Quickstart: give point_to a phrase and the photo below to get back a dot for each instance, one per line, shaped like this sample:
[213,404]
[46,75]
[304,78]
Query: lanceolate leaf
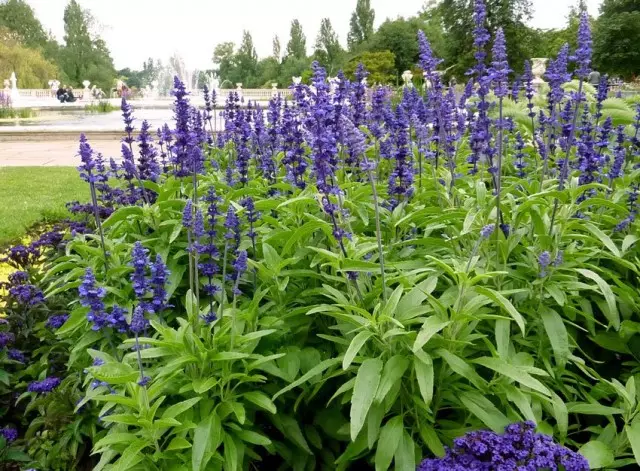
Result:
[364,391]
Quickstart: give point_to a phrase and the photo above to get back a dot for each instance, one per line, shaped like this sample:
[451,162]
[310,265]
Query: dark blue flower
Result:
[519,448]
[138,321]
[6,338]
[158,282]
[10,434]
[45,386]
[16,355]
[139,262]
[91,296]
[55,322]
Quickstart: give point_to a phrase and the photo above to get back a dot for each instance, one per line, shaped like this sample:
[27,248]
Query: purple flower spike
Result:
[45,386]
[499,71]
[487,230]
[583,53]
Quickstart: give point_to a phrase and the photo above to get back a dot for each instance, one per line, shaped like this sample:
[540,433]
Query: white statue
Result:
[15,95]
[239,90]
[86,93]
[274,89]
[407,76]
[538,68]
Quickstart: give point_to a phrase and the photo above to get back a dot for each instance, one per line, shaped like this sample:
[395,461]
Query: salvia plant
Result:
[354,278]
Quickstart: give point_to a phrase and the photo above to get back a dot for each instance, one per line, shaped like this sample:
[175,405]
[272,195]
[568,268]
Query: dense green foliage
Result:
[617,38]
[84,56]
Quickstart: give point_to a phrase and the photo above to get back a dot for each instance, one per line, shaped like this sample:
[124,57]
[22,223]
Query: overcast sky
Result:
[137,29]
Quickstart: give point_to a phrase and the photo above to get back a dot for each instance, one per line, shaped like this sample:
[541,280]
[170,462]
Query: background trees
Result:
[37,57]
[617,38]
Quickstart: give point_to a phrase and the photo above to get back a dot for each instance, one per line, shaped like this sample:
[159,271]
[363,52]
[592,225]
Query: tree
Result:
[85,56]
[268,72]
[18,16]
[247,61]
[297,45]
[380,65]
[361,24]
[31,68]
[400,36]
[328,50]
[276,48]
[292,67]
[511,15]
[616,43]
[224,60]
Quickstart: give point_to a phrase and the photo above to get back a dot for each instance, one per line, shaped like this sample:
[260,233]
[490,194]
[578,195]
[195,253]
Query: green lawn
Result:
[29,195]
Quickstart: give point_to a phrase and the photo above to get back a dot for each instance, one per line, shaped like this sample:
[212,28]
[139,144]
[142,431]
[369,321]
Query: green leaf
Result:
[122,214]
[405,455]
[592,409]
[310,374]
[424,375]
[430,437]
[261,400]
[115,373]
[230,453]
[177,409]
[374,420]
[207,438]
[431,326]
[598,454]
[503,333]
[633,435]
[114,438]
[178,443]
[612,313]
[77,318]
[393,370]
[355,346]
[557,334]
[504,303]
[271,257]
[290,428]
[461,367]
[514,372]
[390,437]
[367,381]
[604,238]
[131,456]
[484,409]
[390,308]
[253,437]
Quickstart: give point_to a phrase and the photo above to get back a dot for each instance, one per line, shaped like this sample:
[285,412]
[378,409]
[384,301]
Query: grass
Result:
[21,113]
[100,107]
[31,195]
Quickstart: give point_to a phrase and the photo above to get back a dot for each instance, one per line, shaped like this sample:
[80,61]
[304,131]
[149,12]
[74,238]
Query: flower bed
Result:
[337,284]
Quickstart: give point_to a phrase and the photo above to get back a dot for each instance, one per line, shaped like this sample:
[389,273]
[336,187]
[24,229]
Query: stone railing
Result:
[44,92]
[254,94]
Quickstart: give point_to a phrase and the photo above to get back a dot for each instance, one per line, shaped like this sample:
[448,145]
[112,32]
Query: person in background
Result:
[70,97]
[594,78]
[61,94]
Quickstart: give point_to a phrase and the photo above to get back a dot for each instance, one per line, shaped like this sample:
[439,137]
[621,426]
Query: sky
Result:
[138,29]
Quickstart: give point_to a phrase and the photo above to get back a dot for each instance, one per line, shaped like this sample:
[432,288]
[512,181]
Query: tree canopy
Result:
[361,24]
[617,42]
[297,45]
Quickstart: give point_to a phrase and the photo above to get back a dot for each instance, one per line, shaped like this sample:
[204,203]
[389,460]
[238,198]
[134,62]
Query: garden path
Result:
[49,153]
